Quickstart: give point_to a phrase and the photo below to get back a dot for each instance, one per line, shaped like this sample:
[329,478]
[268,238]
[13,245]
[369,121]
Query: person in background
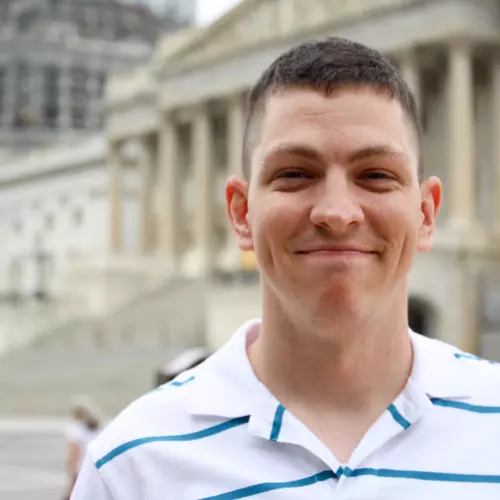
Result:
[86,425]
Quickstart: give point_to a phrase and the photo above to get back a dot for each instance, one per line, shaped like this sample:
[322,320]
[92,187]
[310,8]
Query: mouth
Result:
[336,250]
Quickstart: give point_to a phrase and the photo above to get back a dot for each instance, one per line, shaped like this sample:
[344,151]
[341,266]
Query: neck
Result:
[345,366]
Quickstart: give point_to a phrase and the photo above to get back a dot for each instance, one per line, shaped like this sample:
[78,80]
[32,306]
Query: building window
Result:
[51,115]
[51,75]
[51,82]
[26,20]
[24,116]
[79,98]
[78,117]
[23,76]
[4,12]
[55,7]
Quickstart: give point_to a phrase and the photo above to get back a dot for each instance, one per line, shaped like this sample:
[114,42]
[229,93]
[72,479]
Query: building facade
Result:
[55,56]
[50,212]
[184,114]
[116,251]
[143,205]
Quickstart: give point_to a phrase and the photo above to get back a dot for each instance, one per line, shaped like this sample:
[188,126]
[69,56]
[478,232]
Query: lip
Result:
[335,250]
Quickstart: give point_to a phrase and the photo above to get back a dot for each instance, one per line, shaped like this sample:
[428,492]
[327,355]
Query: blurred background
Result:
[119,123]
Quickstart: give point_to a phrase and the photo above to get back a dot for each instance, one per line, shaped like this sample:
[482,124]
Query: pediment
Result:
[248,23]
[253,22]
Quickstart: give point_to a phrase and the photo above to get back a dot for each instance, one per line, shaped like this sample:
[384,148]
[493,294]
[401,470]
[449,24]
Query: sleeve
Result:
[90,485]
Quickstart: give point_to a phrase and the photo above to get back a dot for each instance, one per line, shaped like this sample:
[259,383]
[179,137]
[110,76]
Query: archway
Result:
[421,316]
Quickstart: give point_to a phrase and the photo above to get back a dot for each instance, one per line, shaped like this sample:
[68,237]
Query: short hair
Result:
[327,66]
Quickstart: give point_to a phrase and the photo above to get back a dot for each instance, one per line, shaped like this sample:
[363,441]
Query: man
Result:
[329,395]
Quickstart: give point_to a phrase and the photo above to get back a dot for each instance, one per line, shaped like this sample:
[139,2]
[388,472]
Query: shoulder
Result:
[483,376]
[160,413]
[480,376]
[141,441]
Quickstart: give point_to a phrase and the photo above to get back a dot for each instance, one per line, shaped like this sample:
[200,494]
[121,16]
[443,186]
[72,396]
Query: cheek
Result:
[405,228]
[398,226]
[275,223]
[401,218]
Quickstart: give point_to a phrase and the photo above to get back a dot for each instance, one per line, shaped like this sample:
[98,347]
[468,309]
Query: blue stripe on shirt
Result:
[258,489]
[462,355]
[277,423]
[398,417]
[193,436]
[180,383]
[460,405]
[175,383]
[423,475]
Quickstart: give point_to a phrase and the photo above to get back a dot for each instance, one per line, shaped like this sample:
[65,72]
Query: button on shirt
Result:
[217,433]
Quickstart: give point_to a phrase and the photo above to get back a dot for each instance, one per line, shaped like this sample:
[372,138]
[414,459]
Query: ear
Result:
[237,211]
[431,195]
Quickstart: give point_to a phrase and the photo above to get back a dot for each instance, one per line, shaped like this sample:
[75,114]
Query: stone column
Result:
[204,188]
[115,194]
[470,334]
[146,199]
[235,133]
[170,217]
[461,136]
[495,157]
[409,69]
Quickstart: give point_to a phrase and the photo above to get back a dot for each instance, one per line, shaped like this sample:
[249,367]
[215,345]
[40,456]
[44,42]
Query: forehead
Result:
[344,122]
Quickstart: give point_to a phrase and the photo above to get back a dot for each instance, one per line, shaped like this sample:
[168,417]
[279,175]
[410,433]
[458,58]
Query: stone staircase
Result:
[111,359]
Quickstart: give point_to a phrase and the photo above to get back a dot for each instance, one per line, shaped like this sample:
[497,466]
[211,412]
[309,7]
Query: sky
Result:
[207,10]
[210,10]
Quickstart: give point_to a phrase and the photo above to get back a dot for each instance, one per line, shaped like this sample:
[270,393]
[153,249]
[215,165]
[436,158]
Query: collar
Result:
[437,371]
[227,387]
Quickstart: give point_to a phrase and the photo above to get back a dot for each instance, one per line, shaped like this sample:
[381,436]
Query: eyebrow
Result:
[310,153]
[374,152]
[303,151]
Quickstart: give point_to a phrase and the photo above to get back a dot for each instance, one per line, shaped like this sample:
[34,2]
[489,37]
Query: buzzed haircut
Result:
[327,66]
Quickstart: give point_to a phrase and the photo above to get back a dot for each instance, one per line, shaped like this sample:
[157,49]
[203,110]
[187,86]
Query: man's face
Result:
[334,209]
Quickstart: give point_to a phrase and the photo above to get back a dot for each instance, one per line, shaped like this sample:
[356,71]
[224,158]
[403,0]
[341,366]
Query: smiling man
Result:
[329,395]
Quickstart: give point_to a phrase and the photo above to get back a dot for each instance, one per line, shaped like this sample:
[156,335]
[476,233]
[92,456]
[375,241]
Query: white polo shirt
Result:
[217,433]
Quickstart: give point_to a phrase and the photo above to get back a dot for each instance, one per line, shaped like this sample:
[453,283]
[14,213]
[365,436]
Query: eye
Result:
[292,179]
[292,174]
[378,175]
[379,180]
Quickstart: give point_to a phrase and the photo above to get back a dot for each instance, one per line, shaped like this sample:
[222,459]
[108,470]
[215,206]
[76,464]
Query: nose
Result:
[336,205]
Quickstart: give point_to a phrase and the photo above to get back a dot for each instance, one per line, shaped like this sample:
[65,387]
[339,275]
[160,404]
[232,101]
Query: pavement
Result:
[32,457]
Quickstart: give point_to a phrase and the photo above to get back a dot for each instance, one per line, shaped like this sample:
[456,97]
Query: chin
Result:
[342,295]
